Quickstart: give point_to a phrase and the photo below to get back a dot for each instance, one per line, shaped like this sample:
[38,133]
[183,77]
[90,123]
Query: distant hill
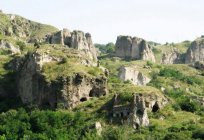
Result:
[17,26]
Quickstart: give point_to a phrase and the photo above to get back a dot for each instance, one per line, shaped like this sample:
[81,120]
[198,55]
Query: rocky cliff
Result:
[133,75]
[135,113]
[64,91]
[195,51]
[76,39]
[133,47]
[172,57]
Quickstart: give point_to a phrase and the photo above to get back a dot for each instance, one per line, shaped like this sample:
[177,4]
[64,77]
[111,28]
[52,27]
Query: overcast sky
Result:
[157,20]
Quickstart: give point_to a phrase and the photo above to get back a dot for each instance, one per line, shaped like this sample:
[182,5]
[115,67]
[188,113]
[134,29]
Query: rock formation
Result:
[199,65]
[61,37]
[133,75]
[135,113]
[196,51]
[76,39]
[8,46]
[173,57]
[134,48]
[66,91]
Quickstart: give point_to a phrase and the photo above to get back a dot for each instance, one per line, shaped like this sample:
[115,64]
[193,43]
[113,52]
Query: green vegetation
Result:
[104,49]
[182,85]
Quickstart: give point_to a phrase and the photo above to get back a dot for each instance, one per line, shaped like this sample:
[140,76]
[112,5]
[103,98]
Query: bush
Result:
[198,134]
[189,106]
[21,45]
[170,73]
[149,63]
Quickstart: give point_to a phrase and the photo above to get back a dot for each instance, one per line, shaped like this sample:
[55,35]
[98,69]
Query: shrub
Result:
[198,134]
[149,63]
[189,106]
[21,45]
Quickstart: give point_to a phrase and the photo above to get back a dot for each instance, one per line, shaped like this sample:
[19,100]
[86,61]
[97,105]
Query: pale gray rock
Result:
[77,40]
[61,37]
[135,113]
[196,51]
[8,46]
[133,75]
[173,57]
[98,127]
[66,92]
[134,48]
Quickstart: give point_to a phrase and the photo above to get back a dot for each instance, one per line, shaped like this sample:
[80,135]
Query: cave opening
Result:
[140,112]
[91,93]
[83,99]
[155,107]
[121,114]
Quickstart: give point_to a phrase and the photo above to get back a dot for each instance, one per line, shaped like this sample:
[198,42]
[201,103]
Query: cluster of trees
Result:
[43,125]
[104,49]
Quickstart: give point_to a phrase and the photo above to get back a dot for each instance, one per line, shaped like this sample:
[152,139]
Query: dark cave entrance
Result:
[155,107]
[91,93]
[83,99]
[139,112]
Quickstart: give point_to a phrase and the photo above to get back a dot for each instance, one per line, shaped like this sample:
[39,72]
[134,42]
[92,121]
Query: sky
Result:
[154,20]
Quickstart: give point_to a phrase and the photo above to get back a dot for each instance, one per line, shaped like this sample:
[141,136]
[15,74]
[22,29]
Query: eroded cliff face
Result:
[133,47]
[172,57]
[76,39]
[64,91]
[196,51]
[135,113]
[133,75]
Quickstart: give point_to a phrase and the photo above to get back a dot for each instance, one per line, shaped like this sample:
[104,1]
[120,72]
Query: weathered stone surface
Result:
[66,92]
[61,37]
[133,75]
[77,40]
[8,46]
[98,128]
[196,51]
[135,48]
[135,113]
[173,57]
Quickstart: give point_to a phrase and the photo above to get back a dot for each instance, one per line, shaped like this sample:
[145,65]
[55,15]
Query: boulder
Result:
[8,46]
[196,51]
[134,48]
[133,75]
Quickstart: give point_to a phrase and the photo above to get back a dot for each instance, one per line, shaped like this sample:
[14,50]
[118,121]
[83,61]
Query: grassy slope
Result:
[36,30]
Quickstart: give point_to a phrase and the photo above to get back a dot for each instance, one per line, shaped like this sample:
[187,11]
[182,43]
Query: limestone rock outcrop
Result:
[133,75]
[173,57]
[61,37]
[66,91]
[135,113]
[8,46]
[134,48]
[196,51]
[76,39]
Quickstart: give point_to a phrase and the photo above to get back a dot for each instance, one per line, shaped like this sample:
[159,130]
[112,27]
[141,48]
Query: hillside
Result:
[52,86]
[17,26]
